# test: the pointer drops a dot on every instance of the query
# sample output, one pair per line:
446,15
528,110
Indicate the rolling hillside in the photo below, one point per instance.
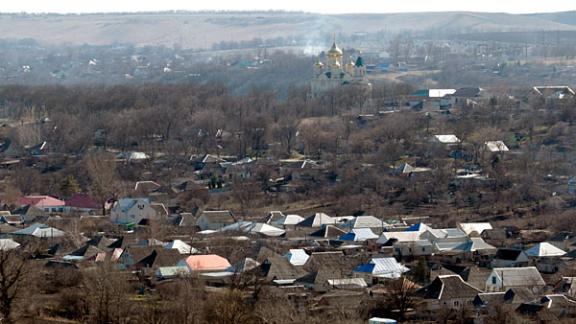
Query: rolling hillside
201,30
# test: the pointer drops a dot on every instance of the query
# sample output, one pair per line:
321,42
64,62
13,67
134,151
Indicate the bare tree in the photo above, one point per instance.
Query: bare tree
13,275
101,168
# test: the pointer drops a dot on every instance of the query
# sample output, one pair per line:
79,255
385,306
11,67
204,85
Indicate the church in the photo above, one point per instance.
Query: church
334,74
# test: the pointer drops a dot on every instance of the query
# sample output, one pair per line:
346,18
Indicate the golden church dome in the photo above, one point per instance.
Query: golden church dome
334,50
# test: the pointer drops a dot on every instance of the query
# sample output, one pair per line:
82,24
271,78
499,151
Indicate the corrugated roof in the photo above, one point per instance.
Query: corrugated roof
468,228
359,235
383,267
297,257
208,262
544,249
518,277
447,139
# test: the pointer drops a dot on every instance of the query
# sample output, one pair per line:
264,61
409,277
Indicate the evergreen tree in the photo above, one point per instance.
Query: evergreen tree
69,186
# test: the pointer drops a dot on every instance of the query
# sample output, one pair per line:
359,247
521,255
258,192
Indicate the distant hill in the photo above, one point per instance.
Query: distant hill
566,17
201,30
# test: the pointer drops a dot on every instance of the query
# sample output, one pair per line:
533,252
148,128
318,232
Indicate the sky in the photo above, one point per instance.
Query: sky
319,6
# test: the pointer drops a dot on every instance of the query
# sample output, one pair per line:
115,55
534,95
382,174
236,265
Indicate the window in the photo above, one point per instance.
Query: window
493,280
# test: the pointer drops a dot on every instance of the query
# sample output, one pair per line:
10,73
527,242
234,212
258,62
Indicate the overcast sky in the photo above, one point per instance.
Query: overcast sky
322,6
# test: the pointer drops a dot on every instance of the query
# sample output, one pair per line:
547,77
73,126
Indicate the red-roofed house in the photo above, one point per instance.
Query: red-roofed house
45,203
83,203
208,262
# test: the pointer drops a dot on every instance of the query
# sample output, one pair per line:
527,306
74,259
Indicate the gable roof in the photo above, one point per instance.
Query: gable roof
328,231
518,277
496,146
125,204
181,246
40,230
317,220
383,267
508,254
81,200
447,139
418,227
469,228
208,262
468,92
297,257
276,267
400,237
218,216
366,222
544,249
254,228
556,92
41,201
448,287
359,235
8,244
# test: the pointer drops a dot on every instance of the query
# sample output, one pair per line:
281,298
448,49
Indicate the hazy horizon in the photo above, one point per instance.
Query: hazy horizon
333,7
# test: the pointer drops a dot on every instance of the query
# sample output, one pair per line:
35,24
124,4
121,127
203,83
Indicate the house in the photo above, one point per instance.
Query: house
40,230
501,279
317,220
365,222
470,248
448,292
47,204
206,263
406,243
432,98
164,273
324,266
300,169
513,296
14,220
359,235
554,92
566,286
553,308
254,228
544,250
328,232
506,257
496,146
297,257
278,269
132,156
148,257
546,257
134,211
82,203
468,96
8,244
215,220
474,229
348,283
181,246
283,221
446,139
406,169
385,268
244,265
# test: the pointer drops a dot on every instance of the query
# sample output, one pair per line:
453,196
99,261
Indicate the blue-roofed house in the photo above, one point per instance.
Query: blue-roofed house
419,227
359,235
380,268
